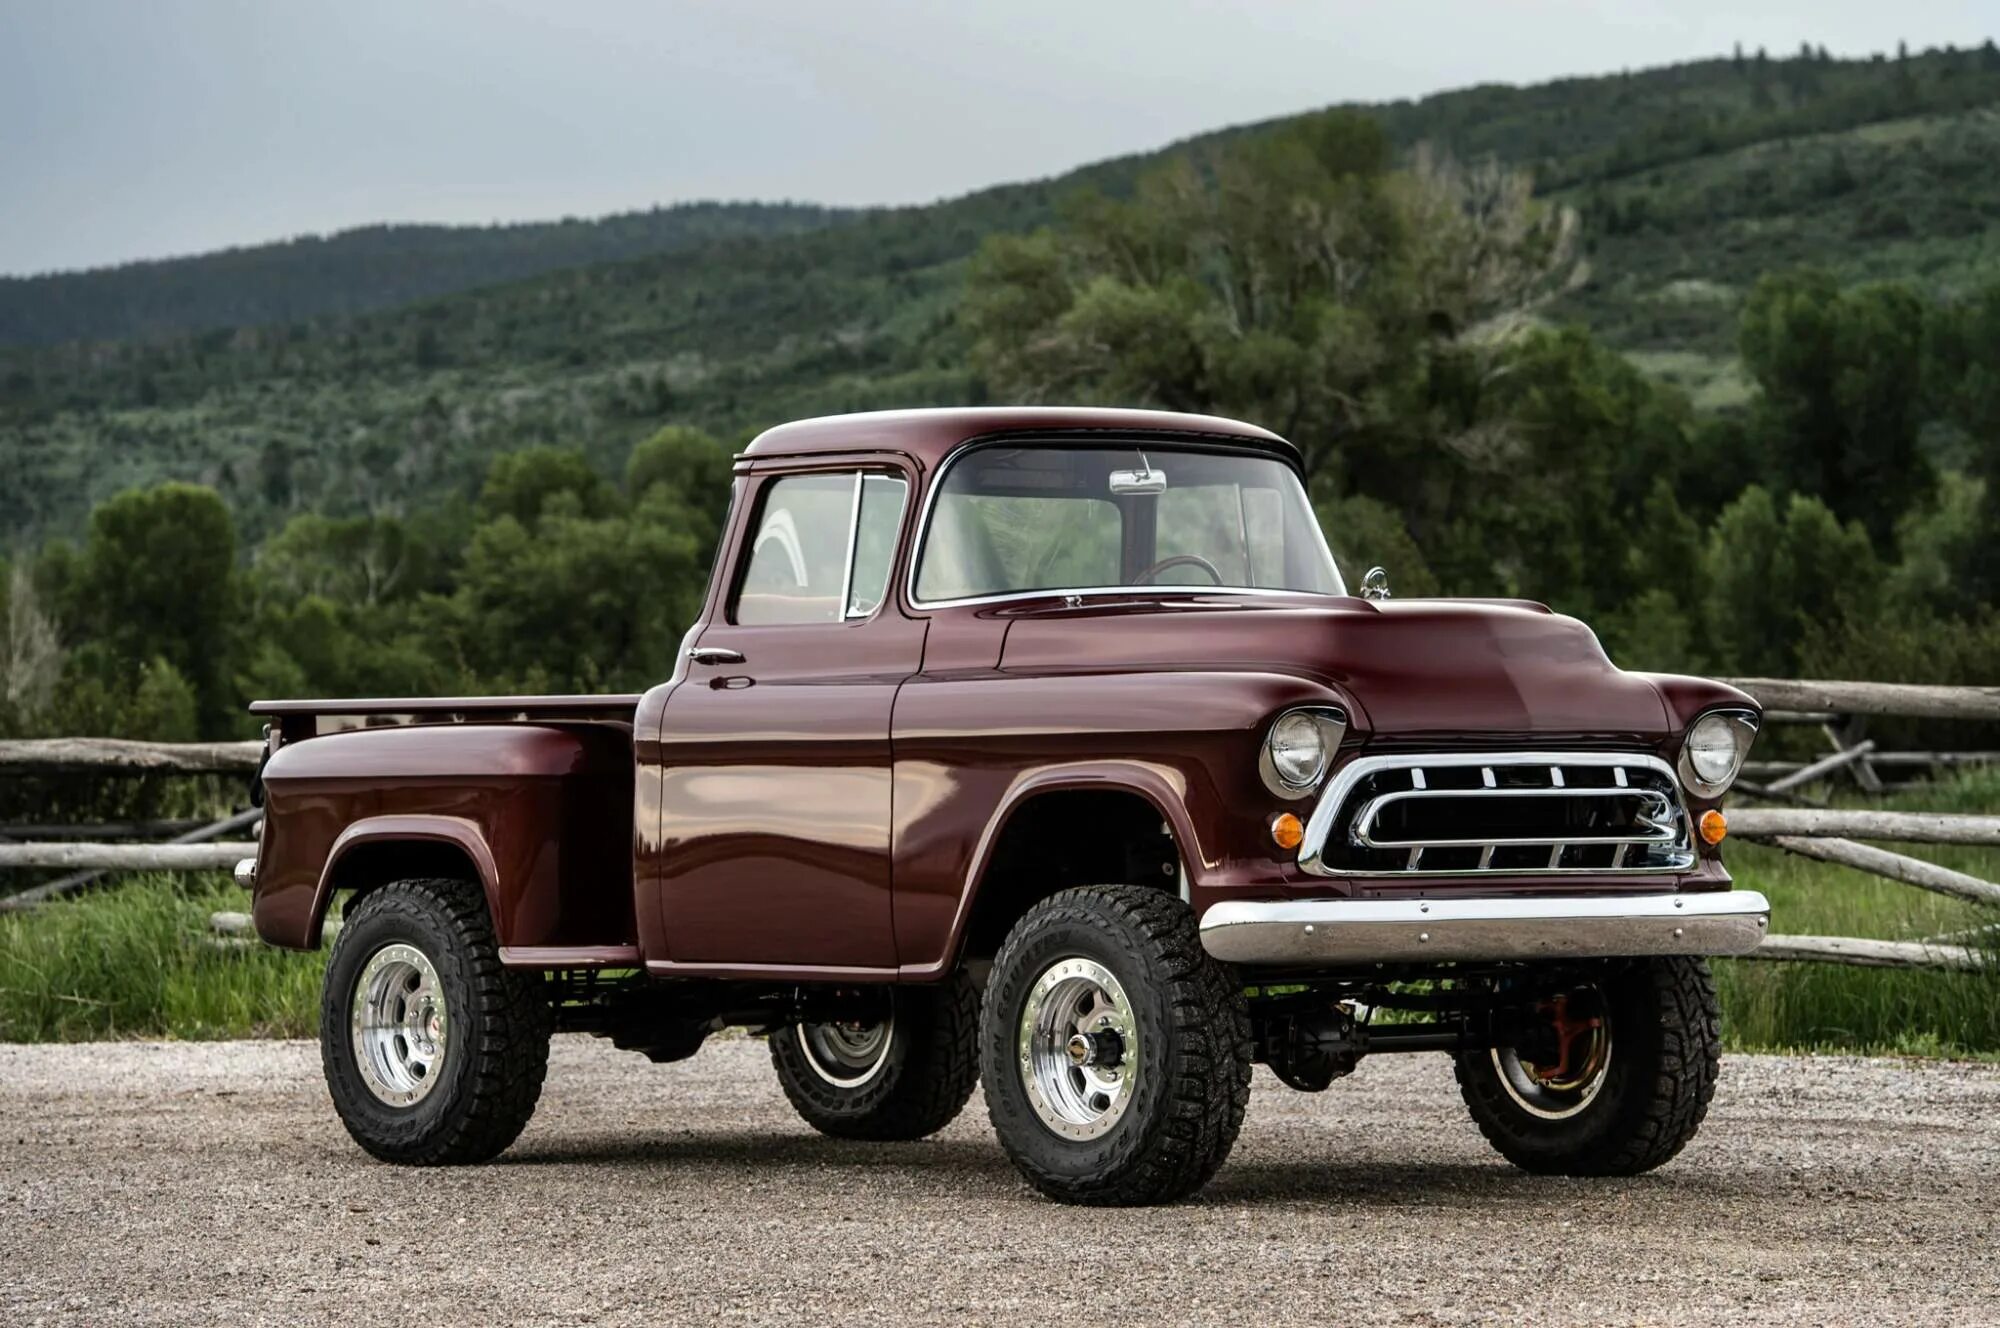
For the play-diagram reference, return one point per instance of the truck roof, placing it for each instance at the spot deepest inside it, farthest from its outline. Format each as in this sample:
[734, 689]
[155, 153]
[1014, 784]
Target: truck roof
[929, 434]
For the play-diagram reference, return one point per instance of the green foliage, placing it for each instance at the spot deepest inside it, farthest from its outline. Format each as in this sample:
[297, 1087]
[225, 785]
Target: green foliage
[576, 601]
[1775, 576]
[135, 961]
[1691, 183]
[1796, 1006]
[370, 267]
[1963, 380]
[427, 494]
[1839, 413]
[522, 485]
[1943, 545]
[1364, 533]
[154, 594]
[1296, 279]
[683, 462]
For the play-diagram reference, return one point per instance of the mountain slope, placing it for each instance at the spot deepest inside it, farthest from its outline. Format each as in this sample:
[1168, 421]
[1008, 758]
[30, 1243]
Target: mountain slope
[1693, 179]
[355, 271]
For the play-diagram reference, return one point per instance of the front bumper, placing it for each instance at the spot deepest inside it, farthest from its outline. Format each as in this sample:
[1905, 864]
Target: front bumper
[1321, 932]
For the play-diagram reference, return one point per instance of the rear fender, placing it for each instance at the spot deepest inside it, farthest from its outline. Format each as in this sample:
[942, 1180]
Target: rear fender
[454, 831]
[539, 814]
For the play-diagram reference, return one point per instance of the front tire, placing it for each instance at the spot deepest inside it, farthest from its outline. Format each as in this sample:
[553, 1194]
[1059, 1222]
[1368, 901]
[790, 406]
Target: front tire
[904, 1073]
[433, 1052]
[1115, 1051]
[1636, 1054]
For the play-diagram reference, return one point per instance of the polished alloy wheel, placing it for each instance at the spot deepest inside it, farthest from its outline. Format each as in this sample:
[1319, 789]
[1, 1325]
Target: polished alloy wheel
[847, 1054]
[399, 1025]
[1564, 1088]
[1079, 1049]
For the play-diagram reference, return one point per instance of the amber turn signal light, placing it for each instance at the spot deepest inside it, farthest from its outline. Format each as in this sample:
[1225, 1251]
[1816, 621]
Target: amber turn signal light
[1287, 832]
[1713, 826]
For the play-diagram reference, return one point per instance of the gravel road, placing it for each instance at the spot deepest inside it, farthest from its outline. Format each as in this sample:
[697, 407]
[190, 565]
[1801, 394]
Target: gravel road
[149, 1183]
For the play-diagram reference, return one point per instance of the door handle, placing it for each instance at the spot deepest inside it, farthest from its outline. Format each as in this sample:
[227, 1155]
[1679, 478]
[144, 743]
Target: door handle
[715, 655]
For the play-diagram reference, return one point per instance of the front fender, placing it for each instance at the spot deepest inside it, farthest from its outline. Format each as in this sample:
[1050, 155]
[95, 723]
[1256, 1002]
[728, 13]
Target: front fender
[970, 749]
[1161, 785]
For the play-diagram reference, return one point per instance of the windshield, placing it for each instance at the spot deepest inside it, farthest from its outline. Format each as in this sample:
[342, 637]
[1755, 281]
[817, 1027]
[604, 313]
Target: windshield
[1013, 520]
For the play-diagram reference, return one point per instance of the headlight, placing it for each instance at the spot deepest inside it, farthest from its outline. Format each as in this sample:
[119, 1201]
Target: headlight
[1715, 748]
[1298, 749]
[1298, 753]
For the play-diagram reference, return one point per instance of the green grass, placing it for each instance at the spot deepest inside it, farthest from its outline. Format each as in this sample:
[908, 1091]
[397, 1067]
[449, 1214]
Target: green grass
[1832, 1007]
[136, 961]
[133, 961]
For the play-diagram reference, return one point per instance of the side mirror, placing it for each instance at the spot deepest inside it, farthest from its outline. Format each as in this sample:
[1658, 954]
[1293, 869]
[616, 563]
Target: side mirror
[1375, 583]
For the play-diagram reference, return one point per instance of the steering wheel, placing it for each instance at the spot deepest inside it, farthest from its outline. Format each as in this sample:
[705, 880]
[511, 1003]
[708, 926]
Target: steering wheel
[1178, 560]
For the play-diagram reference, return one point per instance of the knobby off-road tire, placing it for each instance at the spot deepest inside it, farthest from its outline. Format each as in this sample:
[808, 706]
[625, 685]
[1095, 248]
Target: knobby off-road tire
[1665, 1051]
[1155, 1123]
[490, 1051]
[906, 1077]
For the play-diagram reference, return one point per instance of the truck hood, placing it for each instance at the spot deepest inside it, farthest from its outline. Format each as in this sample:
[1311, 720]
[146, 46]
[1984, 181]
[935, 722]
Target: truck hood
[1439, 666]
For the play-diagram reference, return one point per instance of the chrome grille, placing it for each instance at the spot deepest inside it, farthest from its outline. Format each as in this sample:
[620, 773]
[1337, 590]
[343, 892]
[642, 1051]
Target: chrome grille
[1511, 813]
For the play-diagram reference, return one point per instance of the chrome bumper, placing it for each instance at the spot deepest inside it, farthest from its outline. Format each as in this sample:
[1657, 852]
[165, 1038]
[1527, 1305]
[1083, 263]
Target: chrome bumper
[1352, 931]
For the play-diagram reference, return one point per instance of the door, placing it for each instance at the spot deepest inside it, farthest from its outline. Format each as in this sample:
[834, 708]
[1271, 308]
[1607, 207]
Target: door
[775, 787]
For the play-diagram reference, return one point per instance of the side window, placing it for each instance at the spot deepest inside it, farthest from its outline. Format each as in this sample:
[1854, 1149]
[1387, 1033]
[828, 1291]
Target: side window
[822, 549]
[880, 517]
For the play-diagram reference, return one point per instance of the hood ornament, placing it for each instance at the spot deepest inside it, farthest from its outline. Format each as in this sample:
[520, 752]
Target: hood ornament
[1375, 583]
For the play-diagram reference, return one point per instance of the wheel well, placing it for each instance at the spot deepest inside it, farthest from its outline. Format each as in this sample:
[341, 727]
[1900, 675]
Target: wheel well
[1064, 838]
[381, 861]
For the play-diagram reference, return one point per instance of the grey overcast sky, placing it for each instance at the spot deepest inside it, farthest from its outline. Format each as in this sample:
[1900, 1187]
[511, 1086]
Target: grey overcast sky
[145, 128]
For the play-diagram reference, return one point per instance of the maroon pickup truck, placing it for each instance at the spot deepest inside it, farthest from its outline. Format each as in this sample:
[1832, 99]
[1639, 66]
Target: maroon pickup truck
[1048, 747]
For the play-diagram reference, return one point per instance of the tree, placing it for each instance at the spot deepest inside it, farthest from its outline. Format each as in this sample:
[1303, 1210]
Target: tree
[359, 560]
[579, 602]
[1580, 443]
[1840, 373]
[157, 582]
[521, 484]
[1364, 533]
[33, 654]
[1294, 278]
[1773, 578]
[1945, 546]
[686, 461]
[1962, 380]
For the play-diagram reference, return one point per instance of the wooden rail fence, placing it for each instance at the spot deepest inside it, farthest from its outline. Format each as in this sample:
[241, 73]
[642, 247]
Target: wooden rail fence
[1803, 825]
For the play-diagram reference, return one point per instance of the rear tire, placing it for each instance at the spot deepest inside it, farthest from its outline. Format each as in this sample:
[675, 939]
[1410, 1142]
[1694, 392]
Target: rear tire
[1661, 1054]
[433, 1052]
[1115, 1051]
[904, 1076]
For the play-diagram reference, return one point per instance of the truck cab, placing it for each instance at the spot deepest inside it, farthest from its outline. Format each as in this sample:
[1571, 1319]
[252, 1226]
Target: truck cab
[1047, 746]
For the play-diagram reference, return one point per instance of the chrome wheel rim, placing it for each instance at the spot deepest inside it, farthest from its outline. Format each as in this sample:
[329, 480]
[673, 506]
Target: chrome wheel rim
[847, 1054]
[1079, 1049]
[1561, 1091]
[399, 1025]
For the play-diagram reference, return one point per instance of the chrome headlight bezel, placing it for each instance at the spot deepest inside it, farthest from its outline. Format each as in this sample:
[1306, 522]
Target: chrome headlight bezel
[1729, 730]
[1328, 725]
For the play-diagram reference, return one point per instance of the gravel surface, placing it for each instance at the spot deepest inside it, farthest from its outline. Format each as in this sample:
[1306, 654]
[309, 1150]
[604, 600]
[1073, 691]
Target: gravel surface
[150, 1183]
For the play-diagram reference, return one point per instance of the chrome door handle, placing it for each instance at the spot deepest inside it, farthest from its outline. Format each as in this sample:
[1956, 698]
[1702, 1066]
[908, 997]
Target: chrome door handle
[715, 655]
